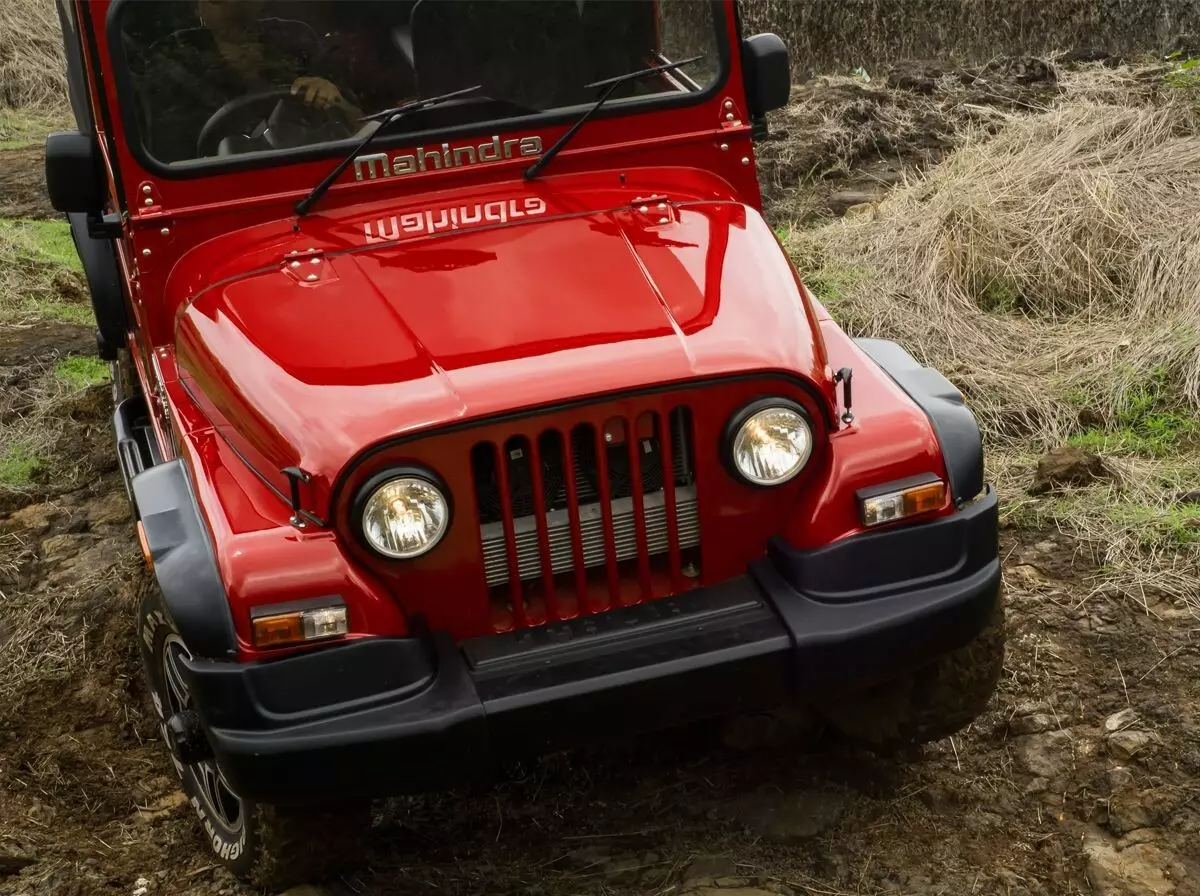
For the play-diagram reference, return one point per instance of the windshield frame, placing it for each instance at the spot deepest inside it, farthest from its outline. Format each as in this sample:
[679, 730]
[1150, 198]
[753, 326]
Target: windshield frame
[336, 150]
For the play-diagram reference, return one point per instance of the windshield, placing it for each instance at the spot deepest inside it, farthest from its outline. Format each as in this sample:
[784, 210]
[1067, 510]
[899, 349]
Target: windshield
[218, 78]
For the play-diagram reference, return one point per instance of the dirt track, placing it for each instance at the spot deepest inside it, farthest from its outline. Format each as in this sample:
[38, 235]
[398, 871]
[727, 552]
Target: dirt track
[1083, 778]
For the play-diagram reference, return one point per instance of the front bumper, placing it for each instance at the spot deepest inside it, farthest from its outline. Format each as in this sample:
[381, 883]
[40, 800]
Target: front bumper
[384, 716]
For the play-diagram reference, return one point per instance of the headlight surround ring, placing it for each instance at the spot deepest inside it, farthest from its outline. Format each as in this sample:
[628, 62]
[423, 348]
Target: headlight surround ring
[735, 430]
[424, 482]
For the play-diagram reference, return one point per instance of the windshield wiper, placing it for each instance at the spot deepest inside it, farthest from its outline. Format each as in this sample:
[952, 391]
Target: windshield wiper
[386, 118]
[612, 84]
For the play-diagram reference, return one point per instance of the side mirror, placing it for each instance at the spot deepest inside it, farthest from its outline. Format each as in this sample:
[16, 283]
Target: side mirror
[768, 77]
[73, 174]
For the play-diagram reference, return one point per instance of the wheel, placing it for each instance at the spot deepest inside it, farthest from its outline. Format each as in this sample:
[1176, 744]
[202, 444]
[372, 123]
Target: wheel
[268, 846]
[932, 703]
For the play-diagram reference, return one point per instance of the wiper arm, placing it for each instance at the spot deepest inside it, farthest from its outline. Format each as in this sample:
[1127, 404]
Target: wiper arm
[612, 84]
[386, 118]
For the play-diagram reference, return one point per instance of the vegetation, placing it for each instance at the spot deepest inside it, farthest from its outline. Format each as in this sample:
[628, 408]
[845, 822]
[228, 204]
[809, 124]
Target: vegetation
[1050, 269]
[81, 372]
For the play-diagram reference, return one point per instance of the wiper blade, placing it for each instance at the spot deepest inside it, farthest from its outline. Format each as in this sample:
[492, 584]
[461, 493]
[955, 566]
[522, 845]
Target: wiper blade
[385, 117]
[612, 84]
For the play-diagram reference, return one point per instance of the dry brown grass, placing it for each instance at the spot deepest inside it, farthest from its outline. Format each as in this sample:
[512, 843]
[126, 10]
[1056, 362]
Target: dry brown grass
[1052, 272]
[1050, 266]
[32, 69]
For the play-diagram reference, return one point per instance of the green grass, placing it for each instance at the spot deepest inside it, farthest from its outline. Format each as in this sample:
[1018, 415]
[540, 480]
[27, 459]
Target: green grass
[20, 128]
[80, 372]
[18, 463]
[1147, 422]
[44, 241]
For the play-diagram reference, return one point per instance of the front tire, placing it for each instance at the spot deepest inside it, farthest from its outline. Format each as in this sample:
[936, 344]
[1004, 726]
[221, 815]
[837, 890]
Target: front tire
[934, 702]
[269, 846]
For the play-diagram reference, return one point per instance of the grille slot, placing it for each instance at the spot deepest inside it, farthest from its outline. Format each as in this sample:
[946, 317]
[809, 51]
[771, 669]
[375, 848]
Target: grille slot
[562, 560]
[576, 521]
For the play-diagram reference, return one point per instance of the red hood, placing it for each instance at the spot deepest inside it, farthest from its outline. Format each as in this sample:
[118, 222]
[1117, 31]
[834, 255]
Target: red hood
[480, 317]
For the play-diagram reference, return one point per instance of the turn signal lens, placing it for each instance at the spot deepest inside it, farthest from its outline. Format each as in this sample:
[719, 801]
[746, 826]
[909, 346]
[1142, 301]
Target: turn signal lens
[302, 625]
[900, 504]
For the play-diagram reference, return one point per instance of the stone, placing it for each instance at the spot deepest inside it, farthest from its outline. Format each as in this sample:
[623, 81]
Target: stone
[1120, 777]
[1036, 786]
[1120, 720]
[14, 858]
[791, 818]
[1124, 745]
[59, 547]
[1130, 810]
[1034, 724]
[161, 808]
[1139, 870]
[1045, 755]
[34, 519]
[1068, 466]
[112, 508]
[708, 868]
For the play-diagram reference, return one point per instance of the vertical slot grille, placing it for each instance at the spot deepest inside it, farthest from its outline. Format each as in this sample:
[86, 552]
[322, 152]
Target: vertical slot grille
[587, 519]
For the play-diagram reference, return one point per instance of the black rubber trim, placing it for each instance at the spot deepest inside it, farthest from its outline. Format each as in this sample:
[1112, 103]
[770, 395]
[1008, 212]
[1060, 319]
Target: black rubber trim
[336, 151]
[844, 648]
[105, 284]
[709, 653]
[953, 423]
[184, 563]
[433, 737]
[308, 687]
[898, 558]
[385, 716]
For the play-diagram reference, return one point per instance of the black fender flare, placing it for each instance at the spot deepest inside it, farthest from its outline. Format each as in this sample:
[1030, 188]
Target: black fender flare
[184, 562]
[953, 423]
[103, 274]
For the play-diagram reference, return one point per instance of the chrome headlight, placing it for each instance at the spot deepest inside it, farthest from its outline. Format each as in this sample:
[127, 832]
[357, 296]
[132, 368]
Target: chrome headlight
[405, 516]
[772, 443]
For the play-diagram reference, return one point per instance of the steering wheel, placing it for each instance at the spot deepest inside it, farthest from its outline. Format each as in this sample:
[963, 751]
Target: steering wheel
[269, 108]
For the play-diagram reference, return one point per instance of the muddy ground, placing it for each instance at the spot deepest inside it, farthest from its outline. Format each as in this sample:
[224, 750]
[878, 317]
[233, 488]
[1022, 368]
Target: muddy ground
[1084, 776]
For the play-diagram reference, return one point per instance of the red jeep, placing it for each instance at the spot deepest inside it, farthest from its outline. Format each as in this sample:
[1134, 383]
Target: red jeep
[470, 409]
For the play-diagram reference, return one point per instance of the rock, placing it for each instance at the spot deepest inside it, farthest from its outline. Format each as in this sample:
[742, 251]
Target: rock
[1140, 870]
[112, 508]
[59, 547]
[34, 519]
[1130, 810]
[1034, 724]
[1045, 755]
[1120, 720]
[1120, 777]
[1183, 498]
[860, 210]
[14, 858]
[1036, 786]
[791, 818]
[708, 868]
[1124, 745]
[1068, 466]
[162, 807]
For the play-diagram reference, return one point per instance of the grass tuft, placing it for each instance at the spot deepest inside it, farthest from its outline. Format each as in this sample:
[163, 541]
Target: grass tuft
[79, 372]
[19, 462]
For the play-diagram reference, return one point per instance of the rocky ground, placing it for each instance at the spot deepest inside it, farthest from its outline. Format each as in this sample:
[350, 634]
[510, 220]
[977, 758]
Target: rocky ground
[1083, 778]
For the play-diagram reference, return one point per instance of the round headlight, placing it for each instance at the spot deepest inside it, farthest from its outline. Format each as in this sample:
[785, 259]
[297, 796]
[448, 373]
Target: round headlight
[772, 445]
[405, 517]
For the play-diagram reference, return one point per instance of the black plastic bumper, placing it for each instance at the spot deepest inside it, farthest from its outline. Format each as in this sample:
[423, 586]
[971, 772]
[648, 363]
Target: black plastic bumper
[380, 717]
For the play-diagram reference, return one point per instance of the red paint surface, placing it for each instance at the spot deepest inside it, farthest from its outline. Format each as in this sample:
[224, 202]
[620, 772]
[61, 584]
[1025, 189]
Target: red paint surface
[417, 345]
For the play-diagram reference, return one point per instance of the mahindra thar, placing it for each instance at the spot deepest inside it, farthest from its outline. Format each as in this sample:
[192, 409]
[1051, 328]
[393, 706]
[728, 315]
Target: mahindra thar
[470, 410]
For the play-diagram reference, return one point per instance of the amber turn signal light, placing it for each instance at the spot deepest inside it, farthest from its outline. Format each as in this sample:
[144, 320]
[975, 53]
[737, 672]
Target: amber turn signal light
[280, 629]
[907, 502]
